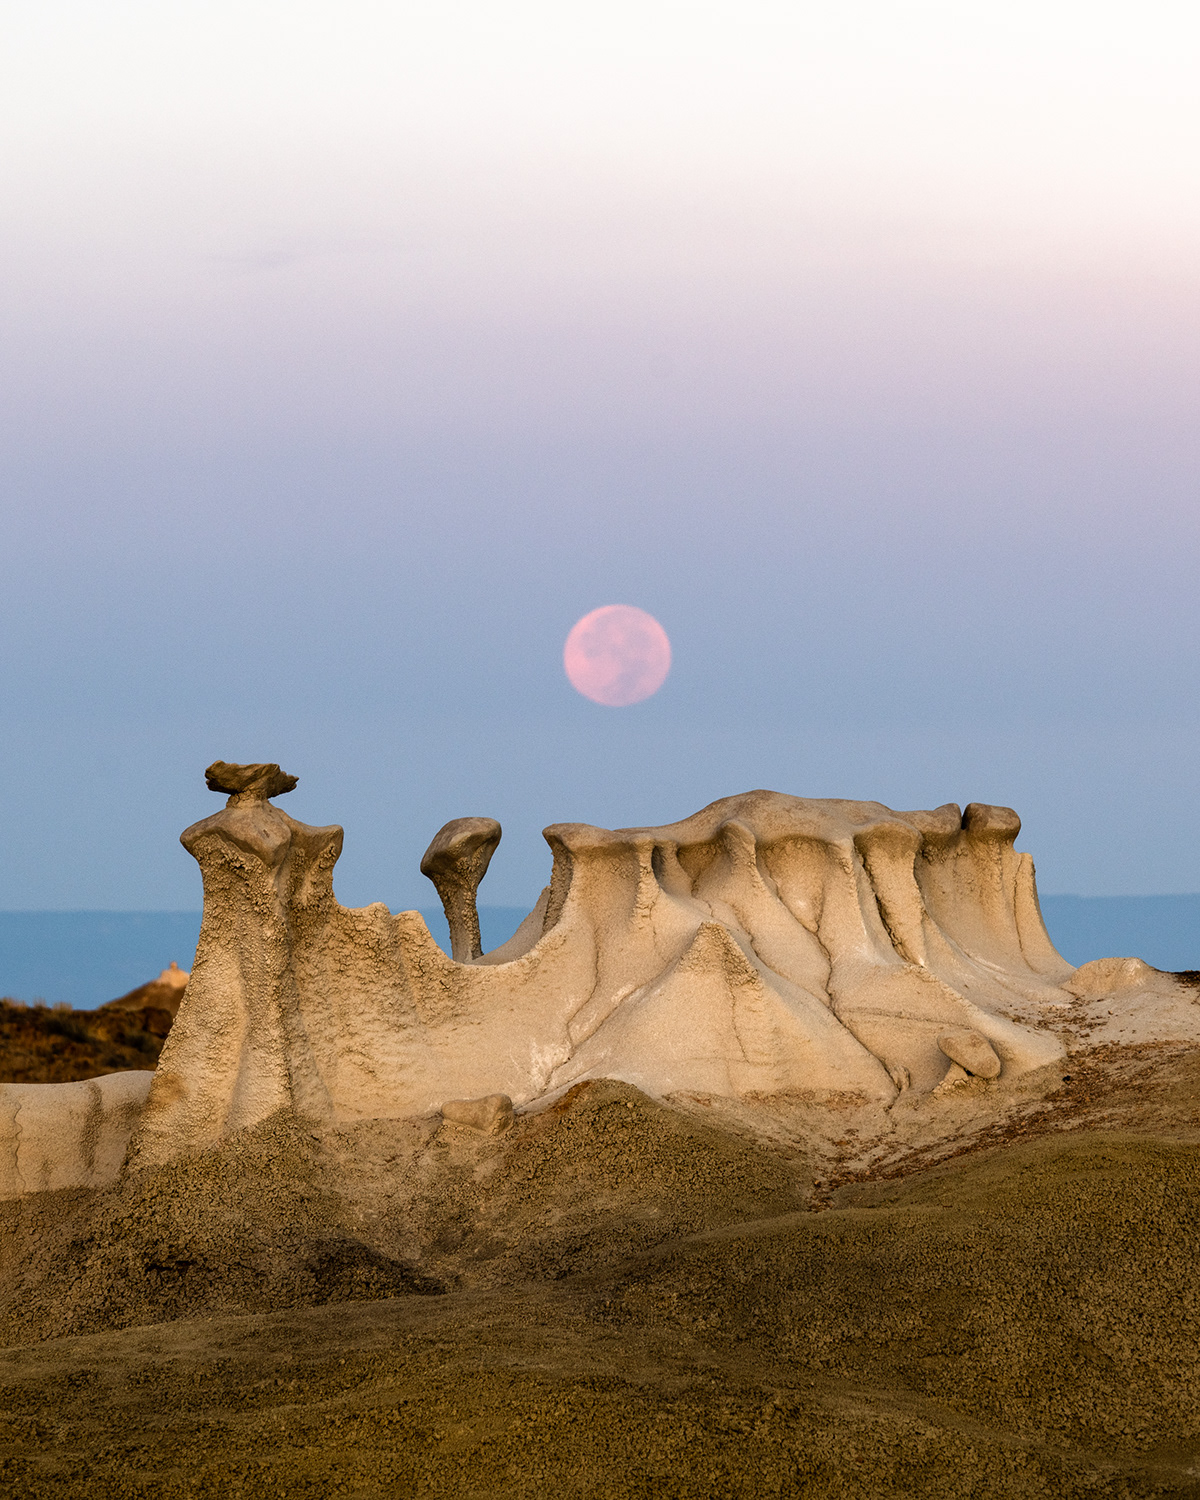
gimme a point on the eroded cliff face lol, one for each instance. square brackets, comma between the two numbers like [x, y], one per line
[768, 945]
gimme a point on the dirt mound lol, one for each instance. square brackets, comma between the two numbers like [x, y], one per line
[603, 1173]
[284, 1217]
[1045, 1288]
[620, 1297]
[1023, 1323]
[259, 1225]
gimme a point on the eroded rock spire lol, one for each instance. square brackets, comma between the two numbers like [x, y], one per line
[456, 861]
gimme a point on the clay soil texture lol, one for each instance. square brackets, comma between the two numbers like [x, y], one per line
[619, 1298]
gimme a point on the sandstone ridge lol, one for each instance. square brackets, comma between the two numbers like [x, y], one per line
[768, 944]
[777, 1153]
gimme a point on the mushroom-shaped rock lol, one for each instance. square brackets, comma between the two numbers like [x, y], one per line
[492, 1115]
[972, 1052]
[253, 783]
[456, 861]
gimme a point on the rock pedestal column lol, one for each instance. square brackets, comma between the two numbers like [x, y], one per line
[237, 1052]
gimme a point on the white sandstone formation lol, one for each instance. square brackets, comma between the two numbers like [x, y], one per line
[767, 945]
[768, 948]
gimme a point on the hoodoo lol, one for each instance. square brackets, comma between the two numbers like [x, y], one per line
[768, 945]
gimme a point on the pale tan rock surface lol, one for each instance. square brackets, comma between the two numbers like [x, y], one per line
[769, 944]
[60, 1135]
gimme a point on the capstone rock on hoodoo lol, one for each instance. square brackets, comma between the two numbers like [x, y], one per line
[768, 945]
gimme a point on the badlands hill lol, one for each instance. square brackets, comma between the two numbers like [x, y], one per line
[779, 1154]
[57, 1044]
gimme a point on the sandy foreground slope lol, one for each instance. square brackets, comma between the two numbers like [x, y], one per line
[624, 1297]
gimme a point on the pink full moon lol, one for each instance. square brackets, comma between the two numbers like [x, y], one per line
[617, 655]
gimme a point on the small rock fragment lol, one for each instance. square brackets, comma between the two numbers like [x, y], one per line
[1104, 976]
[492, 1115]
[970, 1051]
[253, 783]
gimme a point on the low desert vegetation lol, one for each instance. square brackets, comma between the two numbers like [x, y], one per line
[42, 1043]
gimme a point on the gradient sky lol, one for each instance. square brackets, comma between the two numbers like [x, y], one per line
[349, 353]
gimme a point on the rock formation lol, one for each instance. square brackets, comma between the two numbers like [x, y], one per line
[164, 993]
[769, 947]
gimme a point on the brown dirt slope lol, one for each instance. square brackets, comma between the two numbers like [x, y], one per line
[620, 1300]
[282, 1218]
[56, 1044]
